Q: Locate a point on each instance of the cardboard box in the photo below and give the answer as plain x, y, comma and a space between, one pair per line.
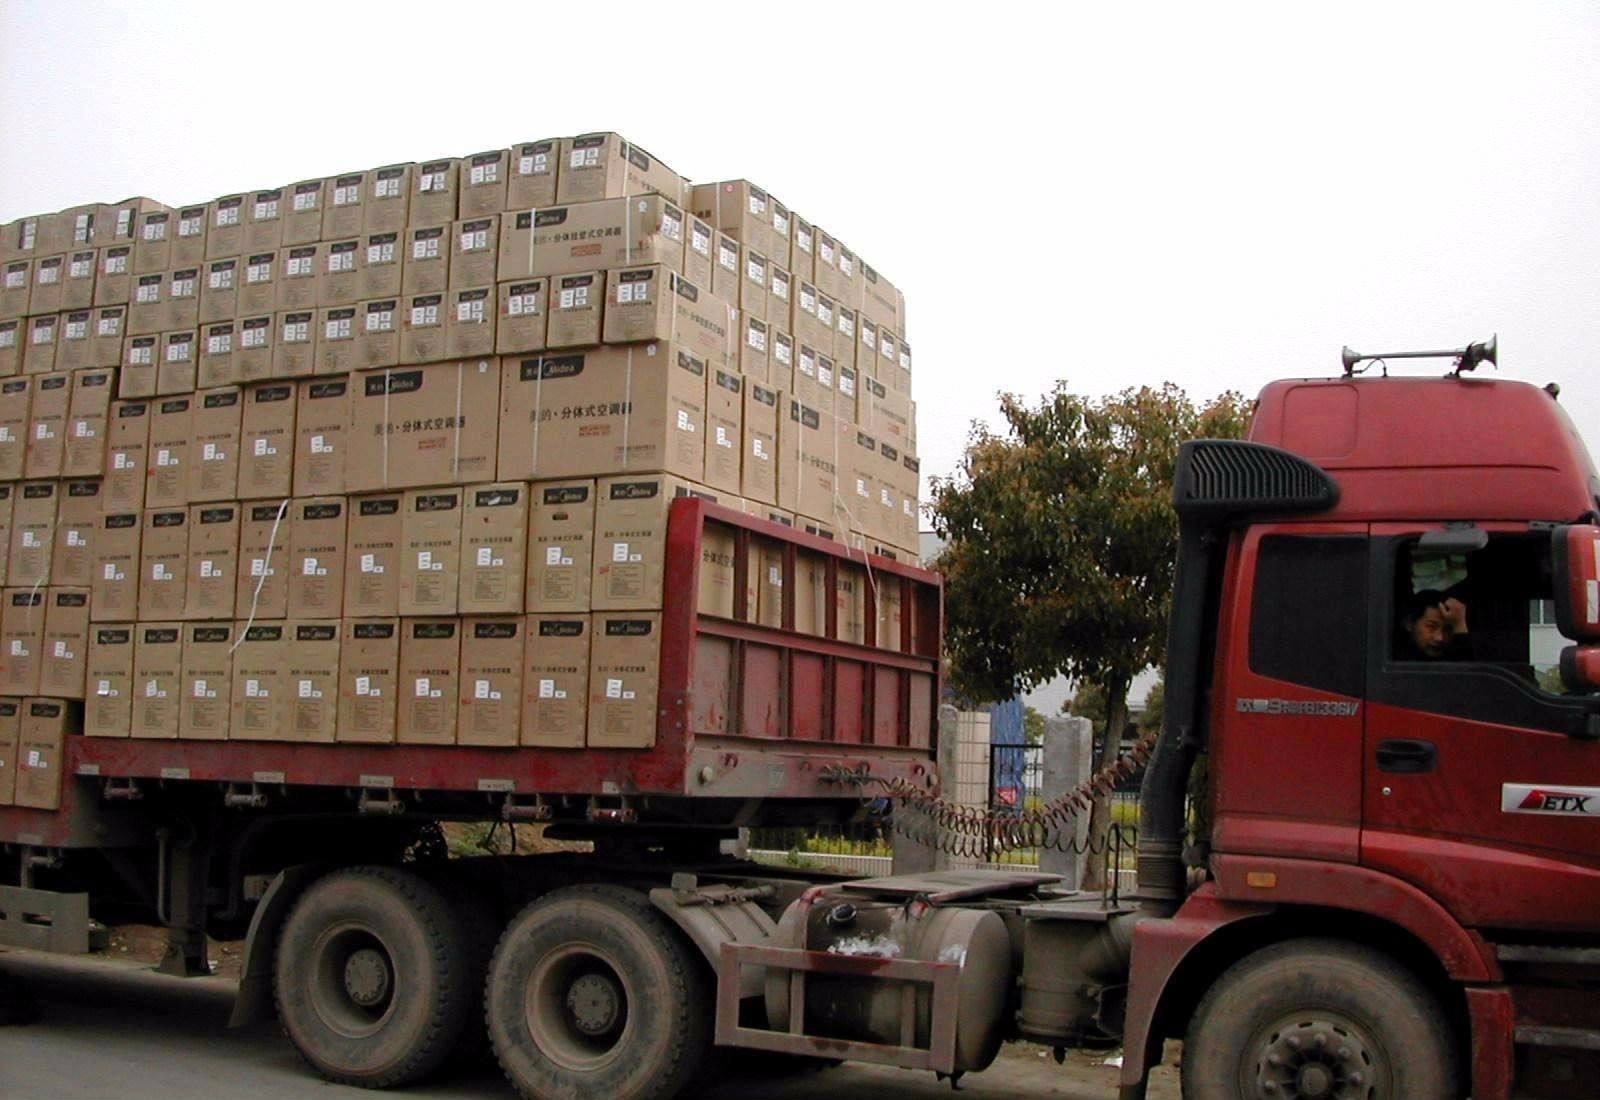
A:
108, 702
846, 394
780, 294
44, 287
378, 341
523, 307
866, 347
807, 469
754, 341
295, 355
561, 415
604, 166
153, 241
88, 408
808, 383
259, 291
881, 301
180, 299
474, 249
430, 665
432, 425
263, 222
697, 258
630, 539
137, 375
113, 284
430, 565
257, 702
205, 682
218, 349
341, 278
163, 564
482, 183
369, 671
168, 479
388, 199
910, 514
114, 591
754, 297
266, 441
338, 328
109, 326
263, 570
380, 266
470, 323
127, 446
858, 484
302, 223
190, 239
65, 652
11, 337
78, 290
219, 292
780, 243
77, 520
10, 740
7, 504
14, 289
435, 184
560, 546
343, 205
884, 412
577, 305
726, 271
624, 678
214, 445
717, 593
373, 555
741, 210
211, 587
845, 341
22, 613
490, 702
225, 226
47, 425
427, 260
555, 681
253, 360
316, 558
311, 688
591, 236
724, 438
494, 539
157, 677
322, 421
300, 276
654, 303
39, 357
179, 367
422, 328
33, 527
533, 175
40, 748
16, 403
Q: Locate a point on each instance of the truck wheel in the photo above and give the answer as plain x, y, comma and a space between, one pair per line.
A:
373, 977
1319, 1018
591, 994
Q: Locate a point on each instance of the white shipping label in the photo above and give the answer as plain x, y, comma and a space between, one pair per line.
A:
808, 300
470, 312
116, 263
311, 567
722, 437
485, 556
380, 321
16, 280
320, 445
521, 305
75, 539
45, 333
632, 292
305, 690
158, 572
428, 182
77, 330
758, 448
553, 555
775, 576
103, 687
758, 205
756, 338
584, 158
142, 355
190, 226
298, 266
474, 240
785, 354
60, 650
347, 195
178, 352
258, 568
861, 488
199, 689
108, 326
547, 689
266, 211
254, 690
827, 251
344, 260
728, 258
423, 687
36, 760
220, 279
535, 164
824, 313
253, 337
482, 689
8, 336
209, 569
49, 274
182, 288
780, 222
147, 292
154, 231
424, 315
685, 423
227, 215
369, 564
755, 272
700, 242
18, 649
363, 685
165, 457
847, 326
258, 273
619, 551
576, 297
386, 188
886, 498
337, 328
613, 689
425, 562
425, 248
377, 253
81, 269
219, 345
296, 332
305, 200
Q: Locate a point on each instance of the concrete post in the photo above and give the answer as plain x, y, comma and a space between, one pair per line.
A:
1068, 756
910, 856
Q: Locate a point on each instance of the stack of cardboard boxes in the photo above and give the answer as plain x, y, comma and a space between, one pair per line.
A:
386, 456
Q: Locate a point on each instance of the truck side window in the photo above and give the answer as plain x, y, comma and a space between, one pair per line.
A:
1308, 615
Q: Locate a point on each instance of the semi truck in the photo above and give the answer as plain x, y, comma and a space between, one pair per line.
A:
1364, 869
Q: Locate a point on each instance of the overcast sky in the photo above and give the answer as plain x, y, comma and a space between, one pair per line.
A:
1212, 194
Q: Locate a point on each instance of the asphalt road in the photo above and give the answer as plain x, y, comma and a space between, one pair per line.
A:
116, 1029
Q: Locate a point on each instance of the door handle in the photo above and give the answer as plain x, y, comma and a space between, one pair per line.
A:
1406, 756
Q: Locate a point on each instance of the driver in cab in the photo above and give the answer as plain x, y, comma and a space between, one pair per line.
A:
1433, 627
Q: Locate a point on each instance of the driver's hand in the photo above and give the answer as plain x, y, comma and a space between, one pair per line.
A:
1455, 615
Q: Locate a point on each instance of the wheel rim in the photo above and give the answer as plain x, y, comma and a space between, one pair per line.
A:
1316, 1055
576, 1004
353, 980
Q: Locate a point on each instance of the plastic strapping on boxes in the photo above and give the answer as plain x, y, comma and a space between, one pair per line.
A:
266, 568
455, 450
627, 408
533, 233
384, 472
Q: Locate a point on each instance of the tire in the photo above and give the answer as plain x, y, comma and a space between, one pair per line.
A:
373, 977
1337, 1017
591, 995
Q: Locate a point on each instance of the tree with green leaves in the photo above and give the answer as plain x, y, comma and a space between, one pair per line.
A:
1061, 539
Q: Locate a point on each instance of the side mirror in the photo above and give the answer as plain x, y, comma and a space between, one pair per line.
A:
1575, 554
1580, 669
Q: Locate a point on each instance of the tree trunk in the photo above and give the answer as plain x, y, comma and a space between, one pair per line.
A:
1106, 747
